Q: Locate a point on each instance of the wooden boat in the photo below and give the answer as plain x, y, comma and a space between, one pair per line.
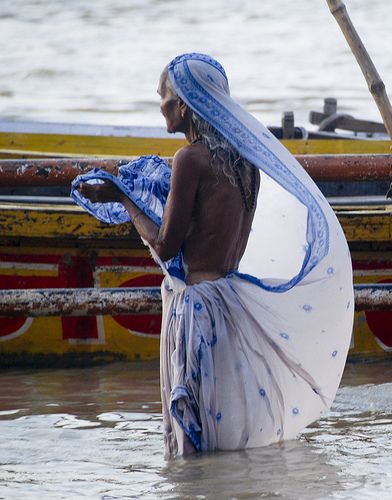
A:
48, 242
60, 246
337, 134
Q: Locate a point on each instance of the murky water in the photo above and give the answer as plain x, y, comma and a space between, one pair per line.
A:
98, 61
96, 433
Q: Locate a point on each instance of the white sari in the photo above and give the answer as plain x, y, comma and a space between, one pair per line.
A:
242, 367
253, 358
256, 356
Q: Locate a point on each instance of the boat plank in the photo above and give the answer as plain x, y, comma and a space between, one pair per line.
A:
51, 222
369, 226
90, 145
71, 145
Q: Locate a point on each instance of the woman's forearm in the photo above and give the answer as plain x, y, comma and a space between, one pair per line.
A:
147, 229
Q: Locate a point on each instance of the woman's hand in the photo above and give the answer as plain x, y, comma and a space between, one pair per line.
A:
108, 192
105, 192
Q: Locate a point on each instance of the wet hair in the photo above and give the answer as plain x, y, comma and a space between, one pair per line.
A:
224, 156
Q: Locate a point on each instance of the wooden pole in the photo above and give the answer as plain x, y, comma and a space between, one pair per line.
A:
112, 301
60, 172
79, 302
375, 84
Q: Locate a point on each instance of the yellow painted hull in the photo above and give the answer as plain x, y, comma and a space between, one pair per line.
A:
369, 233
29, 145
90, 339
62, 246
372, 328
18, 145
43, 246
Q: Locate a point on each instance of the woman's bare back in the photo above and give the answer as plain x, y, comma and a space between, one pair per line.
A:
220, 223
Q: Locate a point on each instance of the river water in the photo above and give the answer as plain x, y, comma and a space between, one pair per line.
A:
95, 433
98, 61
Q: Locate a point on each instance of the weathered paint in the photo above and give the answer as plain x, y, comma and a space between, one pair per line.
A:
118, 336
57, 221
347, 167
366, 225
19, 220
372, 332
53, 172
80, 302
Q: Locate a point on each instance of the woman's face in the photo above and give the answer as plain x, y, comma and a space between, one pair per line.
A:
172, 108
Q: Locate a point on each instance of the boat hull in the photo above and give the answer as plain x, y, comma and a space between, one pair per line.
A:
77, 339
63, 247
60, 246
40, 140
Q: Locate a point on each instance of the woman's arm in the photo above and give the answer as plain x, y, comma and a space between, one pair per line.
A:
177, 216
168, 238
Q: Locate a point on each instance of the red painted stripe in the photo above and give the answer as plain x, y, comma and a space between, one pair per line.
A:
364, 265
26, 282
100, 260
125, 261
30, 258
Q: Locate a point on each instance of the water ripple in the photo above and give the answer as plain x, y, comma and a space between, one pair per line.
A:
105, 441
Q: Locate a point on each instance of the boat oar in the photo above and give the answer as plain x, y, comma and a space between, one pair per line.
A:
373, 79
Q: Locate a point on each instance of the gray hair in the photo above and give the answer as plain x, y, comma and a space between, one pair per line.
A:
224, 156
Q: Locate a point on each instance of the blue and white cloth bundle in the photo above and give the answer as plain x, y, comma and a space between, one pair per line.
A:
254, 357
146, 181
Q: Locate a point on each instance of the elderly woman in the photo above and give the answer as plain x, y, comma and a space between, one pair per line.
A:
254, 333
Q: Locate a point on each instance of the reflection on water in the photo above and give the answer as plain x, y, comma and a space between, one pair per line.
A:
292, 471
96, 433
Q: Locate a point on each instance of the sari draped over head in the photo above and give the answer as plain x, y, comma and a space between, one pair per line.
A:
254, 357
291, 230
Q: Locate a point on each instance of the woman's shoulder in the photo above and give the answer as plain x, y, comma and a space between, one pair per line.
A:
194, 155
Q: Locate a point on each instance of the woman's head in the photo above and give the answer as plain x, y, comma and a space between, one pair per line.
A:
179, 81
165, 84
223, 155
174, 109
187, 70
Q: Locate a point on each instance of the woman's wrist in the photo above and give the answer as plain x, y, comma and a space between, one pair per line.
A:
133, 218
133, 210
